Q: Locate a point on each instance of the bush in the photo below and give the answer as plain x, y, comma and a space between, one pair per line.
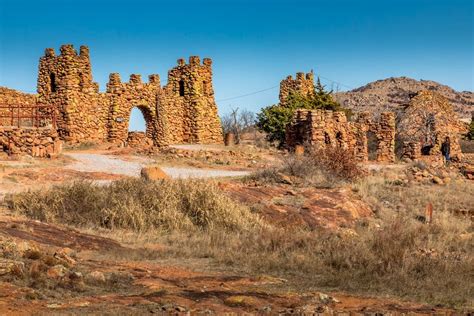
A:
138, 205
321, 168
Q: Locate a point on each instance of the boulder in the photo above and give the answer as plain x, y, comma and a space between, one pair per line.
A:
95, 277
56, 272
153, 173
437, 180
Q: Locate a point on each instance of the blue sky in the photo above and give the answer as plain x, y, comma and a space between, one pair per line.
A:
253, 44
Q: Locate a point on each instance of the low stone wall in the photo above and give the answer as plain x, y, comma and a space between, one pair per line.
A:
34, 141
139, 139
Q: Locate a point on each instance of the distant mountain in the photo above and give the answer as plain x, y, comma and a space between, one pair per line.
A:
395, 93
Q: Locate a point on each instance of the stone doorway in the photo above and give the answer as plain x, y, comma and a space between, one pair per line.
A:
372, 145
140, 127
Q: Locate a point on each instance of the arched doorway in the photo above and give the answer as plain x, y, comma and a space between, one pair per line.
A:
140, 127
137, 121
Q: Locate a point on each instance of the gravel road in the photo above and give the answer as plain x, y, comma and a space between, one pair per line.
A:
117, 165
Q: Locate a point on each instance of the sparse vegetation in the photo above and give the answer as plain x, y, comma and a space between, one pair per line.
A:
394, 254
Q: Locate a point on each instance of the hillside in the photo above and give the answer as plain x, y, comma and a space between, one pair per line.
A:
394, 93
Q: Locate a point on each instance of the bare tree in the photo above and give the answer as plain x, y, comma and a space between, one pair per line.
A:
238, 122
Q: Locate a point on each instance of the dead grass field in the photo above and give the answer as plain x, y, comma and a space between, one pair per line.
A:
392, 254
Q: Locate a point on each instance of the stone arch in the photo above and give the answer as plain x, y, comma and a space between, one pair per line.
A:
147, 116
119, 120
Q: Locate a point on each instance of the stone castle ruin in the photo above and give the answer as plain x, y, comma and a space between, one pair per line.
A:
182, 111
321, 128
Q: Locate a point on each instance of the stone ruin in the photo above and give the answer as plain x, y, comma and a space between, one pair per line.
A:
421, 127
425, 123
182, 111
322, 128
303, 84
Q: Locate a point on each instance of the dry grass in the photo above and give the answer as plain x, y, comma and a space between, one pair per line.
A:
136, 204
393, 254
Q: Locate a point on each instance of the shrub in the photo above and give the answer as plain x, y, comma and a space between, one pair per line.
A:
136, 204
321, 168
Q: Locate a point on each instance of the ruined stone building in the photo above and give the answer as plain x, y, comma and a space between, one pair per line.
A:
321, 128
425, 124
182, 111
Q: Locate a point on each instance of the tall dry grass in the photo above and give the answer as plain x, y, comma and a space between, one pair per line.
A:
138, 205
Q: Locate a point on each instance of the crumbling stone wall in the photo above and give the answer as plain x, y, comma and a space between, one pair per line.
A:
183, 111
427, 121
321, 128
34, 141
303, 84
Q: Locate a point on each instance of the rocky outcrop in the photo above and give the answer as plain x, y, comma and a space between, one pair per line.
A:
395, 93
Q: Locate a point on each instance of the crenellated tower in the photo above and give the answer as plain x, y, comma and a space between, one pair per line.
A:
65, 81
188, 99
303, 84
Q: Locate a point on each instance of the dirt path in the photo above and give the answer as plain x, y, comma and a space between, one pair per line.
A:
88, 162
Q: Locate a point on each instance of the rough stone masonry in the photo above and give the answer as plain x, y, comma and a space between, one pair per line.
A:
182, 111
320, 128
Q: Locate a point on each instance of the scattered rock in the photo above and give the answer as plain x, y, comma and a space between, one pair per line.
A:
56, 272
96, 277
437, 180
153, 173
240, 300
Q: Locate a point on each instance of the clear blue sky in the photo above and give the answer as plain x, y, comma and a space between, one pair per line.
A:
254, 44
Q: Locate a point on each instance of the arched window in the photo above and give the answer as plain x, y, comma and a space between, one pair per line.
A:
181, 88
52, 82
204, 87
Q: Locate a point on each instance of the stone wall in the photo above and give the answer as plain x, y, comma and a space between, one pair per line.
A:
303, 84
183, 111
34, 141
320, 128
139, 140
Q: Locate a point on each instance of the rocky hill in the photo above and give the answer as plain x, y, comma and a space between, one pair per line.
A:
395, 93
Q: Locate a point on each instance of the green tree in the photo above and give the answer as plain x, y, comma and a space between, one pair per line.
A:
274, 118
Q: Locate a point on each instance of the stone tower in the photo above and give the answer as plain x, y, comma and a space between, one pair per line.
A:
303, 84
65, 81
188, 99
